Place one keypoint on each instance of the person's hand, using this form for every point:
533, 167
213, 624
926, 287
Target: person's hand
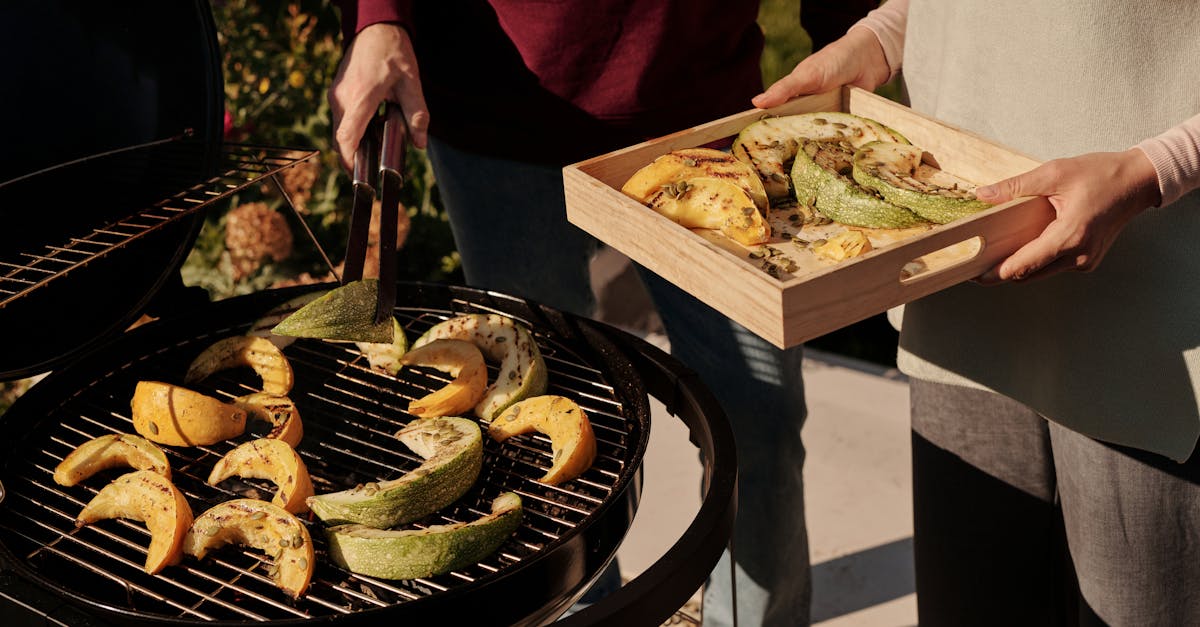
379, 65
1094, 196
856, 59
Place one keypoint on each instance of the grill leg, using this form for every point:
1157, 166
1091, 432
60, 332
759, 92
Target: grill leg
733, 580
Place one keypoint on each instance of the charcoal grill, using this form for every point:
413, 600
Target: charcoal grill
350, 412
77, 266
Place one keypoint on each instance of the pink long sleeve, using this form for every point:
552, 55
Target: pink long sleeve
888, 23
1176, 158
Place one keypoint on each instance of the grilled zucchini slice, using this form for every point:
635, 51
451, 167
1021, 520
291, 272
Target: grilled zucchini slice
770, 145
821, 175
899, 174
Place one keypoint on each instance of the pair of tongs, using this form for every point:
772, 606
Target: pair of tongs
381, 151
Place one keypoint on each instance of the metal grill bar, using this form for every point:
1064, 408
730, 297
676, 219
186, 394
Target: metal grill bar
353, 412
241, 166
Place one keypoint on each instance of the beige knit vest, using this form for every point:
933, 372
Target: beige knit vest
1113, 354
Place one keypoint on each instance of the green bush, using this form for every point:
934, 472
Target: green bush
279, 58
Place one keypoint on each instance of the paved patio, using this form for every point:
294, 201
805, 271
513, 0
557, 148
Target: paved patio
857, 479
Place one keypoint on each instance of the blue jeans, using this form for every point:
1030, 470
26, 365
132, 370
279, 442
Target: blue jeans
510, 227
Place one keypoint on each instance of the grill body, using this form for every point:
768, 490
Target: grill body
569, 534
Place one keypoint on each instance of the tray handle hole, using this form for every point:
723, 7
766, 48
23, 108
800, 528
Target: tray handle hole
941, 260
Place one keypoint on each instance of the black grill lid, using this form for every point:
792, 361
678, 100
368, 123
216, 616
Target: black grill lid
85, 79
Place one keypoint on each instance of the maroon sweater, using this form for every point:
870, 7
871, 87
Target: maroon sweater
556, 81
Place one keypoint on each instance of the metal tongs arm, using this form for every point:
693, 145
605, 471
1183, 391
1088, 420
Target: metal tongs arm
380, 154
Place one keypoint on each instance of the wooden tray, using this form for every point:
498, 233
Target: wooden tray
818, 296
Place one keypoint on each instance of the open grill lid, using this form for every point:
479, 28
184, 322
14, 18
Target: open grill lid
85, 79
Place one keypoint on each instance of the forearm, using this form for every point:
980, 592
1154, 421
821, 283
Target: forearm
1176, 158
888, 23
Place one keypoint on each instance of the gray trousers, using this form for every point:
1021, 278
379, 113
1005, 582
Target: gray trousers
1018, 521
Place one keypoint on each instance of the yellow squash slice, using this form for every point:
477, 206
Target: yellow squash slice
111, 451
558, 417
151, 498
263, 526
273, 460
278, 410
522, 373
843, 246
176, 416
258, 353
690, 163
712, 203
458, 358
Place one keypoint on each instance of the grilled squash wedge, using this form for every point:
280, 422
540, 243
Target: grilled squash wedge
111, 451
453, 452
263, 526
522, 371
690, 163
244, 350
273, 460
712, 203
151, 498
176, 416
458, 358
416, 553
570, 432
277, 410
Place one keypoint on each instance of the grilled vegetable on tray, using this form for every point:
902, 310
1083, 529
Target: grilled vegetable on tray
704, 188
899, 174
818, 168
770, 145
821, 176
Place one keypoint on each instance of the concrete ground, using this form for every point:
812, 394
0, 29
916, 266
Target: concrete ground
857, 478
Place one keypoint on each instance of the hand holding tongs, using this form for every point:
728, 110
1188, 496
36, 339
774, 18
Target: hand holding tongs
384, 155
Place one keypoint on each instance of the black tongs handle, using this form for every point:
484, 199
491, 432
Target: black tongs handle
391, 180
366, 164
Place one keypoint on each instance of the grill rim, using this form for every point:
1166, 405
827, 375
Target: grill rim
611, 518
